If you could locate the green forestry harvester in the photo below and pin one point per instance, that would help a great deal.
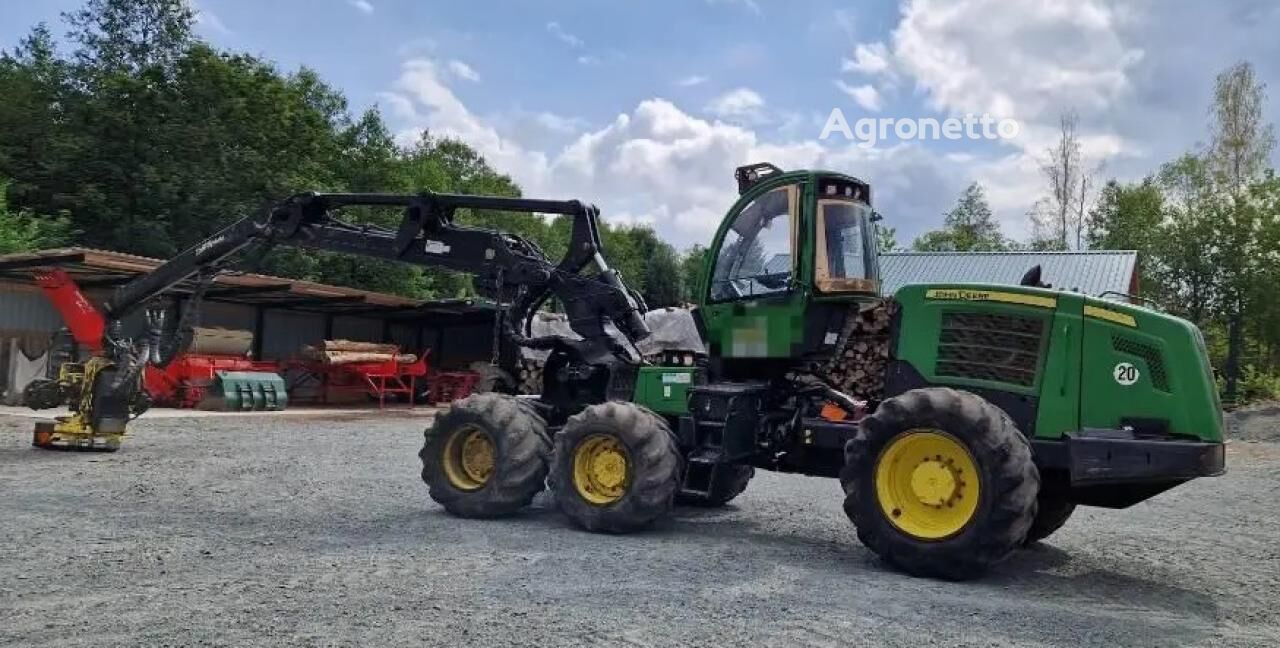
(962, 421)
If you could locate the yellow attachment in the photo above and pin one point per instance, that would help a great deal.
(75, 432)
(927, 484)
(469, 457)
(601, 469)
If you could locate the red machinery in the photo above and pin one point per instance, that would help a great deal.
(185, 382)
(378, 378)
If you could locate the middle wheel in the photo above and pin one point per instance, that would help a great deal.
(616, 467)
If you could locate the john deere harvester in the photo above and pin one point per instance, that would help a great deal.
(962, 421)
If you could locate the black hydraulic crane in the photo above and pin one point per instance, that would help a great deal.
(506, 267)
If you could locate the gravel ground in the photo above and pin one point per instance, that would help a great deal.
(242, 531)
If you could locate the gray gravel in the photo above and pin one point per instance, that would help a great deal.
(244, 531)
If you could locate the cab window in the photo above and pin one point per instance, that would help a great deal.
(844, 240)
(756, 255)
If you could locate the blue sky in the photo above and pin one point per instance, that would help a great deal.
(646, 107)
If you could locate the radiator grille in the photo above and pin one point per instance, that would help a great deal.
(987, 346)
(1155, 362)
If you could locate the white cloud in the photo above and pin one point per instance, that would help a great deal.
(563, 36)
(463, 71)
(692, 80)
(868, 58)
(587, 59)
(1026, 61)
(740, 103)
(363, 6)
(865, 96)
(659, 165)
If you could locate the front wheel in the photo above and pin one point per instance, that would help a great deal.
(485, 456)
(940, 483)
(616, 468)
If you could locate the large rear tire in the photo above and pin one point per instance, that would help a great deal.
(616, 468)
(940, 483)
(486, 456)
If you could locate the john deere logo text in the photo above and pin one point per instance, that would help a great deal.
(970, 295)
(960, 294)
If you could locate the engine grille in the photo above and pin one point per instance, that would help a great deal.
(988, 346)
(1151, 355)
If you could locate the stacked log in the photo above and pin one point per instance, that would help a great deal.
(530, 377)
(861, 357)
(336, 352)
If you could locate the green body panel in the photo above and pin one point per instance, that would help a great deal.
(664, 389)
(1058, 410)
(759, 328)
(1096, 365)
(1179, 389)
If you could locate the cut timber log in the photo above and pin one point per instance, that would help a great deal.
(363, 347)
(220, 341)
(348, 352)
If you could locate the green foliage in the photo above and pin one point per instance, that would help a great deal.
(887, 239)
(149, 140)
(691, 268)
(969, 226)
(1258, 385)
(24, 231)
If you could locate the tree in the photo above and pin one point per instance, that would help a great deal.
(1128, 217)
(692, 266)
(131, 35)
(24, 232)
(1061, 217)
(1241, 144)
(969, 226)
(887, 239)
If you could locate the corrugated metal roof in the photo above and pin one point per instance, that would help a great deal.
(1088, 272)
(92, 268)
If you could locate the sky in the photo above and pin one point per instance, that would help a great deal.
(645, 108)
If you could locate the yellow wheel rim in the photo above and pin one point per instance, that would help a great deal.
(927, 484)
(601, 469)
(469, 458)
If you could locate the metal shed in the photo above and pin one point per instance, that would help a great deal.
(1092, 272)
(283, 314)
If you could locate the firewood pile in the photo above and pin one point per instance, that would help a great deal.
(857, 367)
(338, 352)
(530, 378)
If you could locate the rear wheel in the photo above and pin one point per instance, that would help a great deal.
(616, 468)
(940, 483)
(485, 456)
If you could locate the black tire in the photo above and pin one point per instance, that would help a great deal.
(1008, 486)
(521, 453)
(729, 483)
(653, 467)
(1053, 512)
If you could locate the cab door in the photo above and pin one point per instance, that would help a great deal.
(753, 304)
